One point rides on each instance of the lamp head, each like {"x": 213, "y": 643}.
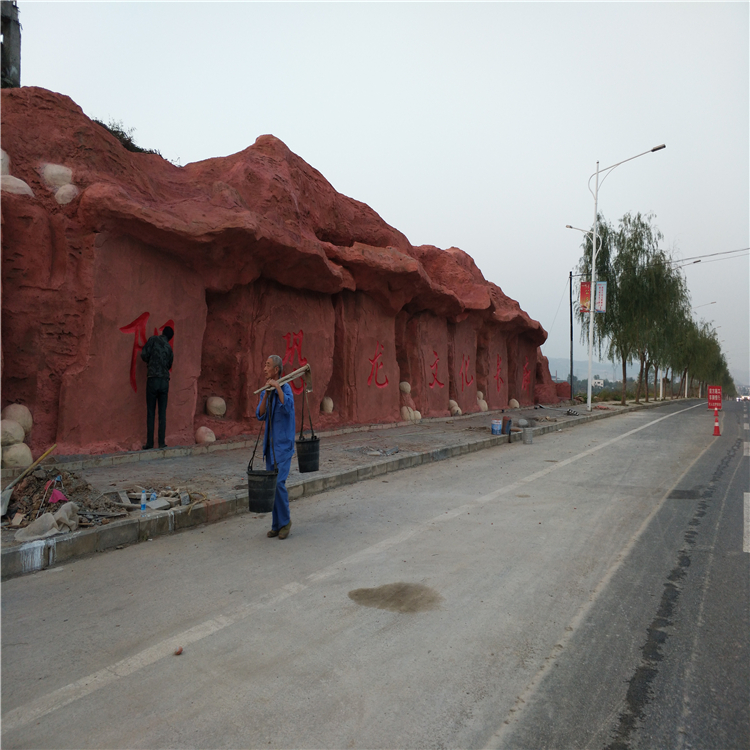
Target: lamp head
{"x": 659, "y": 148}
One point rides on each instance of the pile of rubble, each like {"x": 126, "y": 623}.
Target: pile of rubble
{"x": 46, "y": 489}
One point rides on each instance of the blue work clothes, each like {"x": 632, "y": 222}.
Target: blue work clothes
{"x": 280, "y": 516}
{"x": 281, "y": 423}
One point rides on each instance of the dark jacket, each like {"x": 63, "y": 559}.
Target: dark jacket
{"x": 158, "y": 355}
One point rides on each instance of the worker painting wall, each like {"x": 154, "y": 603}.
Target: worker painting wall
{"x": 244, "y": 256}
{"x": 137, "y": 291}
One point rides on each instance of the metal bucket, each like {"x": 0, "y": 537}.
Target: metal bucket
{"x": 528, "y": 435}
{"x": 308, "y": 454}
{"x": 261, "y": 490}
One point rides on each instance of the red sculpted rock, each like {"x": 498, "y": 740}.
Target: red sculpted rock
{"x": 244, "y": 256}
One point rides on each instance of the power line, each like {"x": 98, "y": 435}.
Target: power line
{"x": 711, "y": 255}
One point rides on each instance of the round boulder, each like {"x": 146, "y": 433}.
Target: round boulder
{"x": 65, "y": 194}
{"x": 513, "y": 404}
{"x": 417, "y": 416}
{"x": 405, "y": 414}
{"x": 326, "y": 405}
{"x": 456, "y": 411}
{"x": 204, "y": 435}
{"x": 10, "y": 432}
{"x": 523, "y": 423}
{"x": 480, "y": 396}
{"x": 11, "y": 184}
{"x": 404, "y": 387}
{"x": 216, "y": 406}
{"x": 482, "y": 405}
{"x": 19, "y": 413}
{"x": 17, "y": 456}
{"x": 56, "y": 175}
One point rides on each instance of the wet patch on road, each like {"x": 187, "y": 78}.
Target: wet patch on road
{"x": 639, "y": 686}
{"x": 398, "y": 597}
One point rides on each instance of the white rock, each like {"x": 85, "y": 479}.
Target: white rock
{"x": 65, "y": 194}
{"x": 417, "y": 416}
{"x": 216, "y": 406}
{"x": 10, "y": 432}
{"x": 452, "y": 404}
{"x": 456, "y": 411}
{"x": 480, "y": 396}
{"x": 483, "y": 405}
{"x": 327, "y": 405}
{"x": 523, "y": 422}
{"x": 405, "y": 416}
{"x": 19, "y": 413}
{"x": 13, "y": 185}
{"x": 404, "y": 387}
{"x": 204, "y": 435}
{"x": 4, "y": 162}
{"x": 56, "y": 175}
{"x": 513, "y": 404}
{"x": 17, "y": 456}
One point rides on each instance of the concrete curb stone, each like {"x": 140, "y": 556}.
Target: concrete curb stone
{"x": 34, "y": 556}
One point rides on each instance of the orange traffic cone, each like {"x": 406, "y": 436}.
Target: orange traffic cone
{"x": 717, "y": 433}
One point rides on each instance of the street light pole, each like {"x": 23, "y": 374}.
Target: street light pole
{"x": 592, "y": 297}
{"x": 571, "y": 333}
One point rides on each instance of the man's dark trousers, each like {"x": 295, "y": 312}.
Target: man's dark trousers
{"x": 157, "y": 390}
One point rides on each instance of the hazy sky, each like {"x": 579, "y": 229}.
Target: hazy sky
{"x": 467, "y": 124}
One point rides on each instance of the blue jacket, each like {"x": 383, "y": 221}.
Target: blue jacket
{"x": 282, "y": 424}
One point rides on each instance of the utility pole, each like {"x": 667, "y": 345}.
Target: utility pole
{"x": 11, "y": 48}
{"x": 571, "y": 334}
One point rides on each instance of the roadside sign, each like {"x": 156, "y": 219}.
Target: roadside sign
{"x": 585, "y": 296}
{"x": 714, "y": 397}
{"x": 600, "y": 299}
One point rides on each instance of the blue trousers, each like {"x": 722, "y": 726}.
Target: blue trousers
{"x": 280, "y": 516}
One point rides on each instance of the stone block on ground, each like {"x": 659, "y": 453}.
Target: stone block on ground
{"x": 19, "y": 413}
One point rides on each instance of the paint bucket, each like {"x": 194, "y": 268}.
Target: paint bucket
{"x": 528, "y": 434}
{"x": 497, "y": 426}
{"x": 507, "y": 422}
{"x": 308, "y": 454}
{"x": 261, "y": 490}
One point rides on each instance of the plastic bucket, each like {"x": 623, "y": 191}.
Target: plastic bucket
{"x": 507, "y": 422}
{"x": 497, "y": 426}
{"x": 308, "y": 454}
{"x": 261, "y": 490}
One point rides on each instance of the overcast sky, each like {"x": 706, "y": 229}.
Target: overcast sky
{"x": 467, "y": 124}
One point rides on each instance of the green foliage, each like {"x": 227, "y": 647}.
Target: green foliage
{"x": 125, "y": 136}
{"x": 648, "y": 316}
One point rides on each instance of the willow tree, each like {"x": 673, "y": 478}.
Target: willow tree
{"x": 643, "y": 292}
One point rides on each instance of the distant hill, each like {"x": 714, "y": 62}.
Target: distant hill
{"x": 605, "y": 370}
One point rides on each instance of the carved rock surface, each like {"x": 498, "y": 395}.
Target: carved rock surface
{"x": 245, "y": 255}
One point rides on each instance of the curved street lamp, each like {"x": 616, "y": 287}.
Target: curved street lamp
{"x": 592, "y": 306}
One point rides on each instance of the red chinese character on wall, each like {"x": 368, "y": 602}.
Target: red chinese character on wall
{"x": 498, "y": 376}
{"x": 377, "y": 366}
{"x": 464, "y": 371}
{"x": 434, "y": 368}
{"x": 140, "y": 337}
{"x": 294, "y": 346}
{"x": 526, "y": 383}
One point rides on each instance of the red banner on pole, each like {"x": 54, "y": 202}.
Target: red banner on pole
{"x": 714, "y": 397}
{"x": 585, "y": 302}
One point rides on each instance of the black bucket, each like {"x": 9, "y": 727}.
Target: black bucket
{"x": 308, "y": 454}
{"x": 261, "y": 490}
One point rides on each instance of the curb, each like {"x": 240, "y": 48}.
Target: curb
{"x": 43, "y": 553}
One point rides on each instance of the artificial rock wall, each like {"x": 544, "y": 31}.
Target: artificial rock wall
{"x": 244, "y": 256}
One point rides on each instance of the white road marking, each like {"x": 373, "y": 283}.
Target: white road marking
{"x": 746, "y": 534}
{"x": 746, "y": 426}
{"x": 747, "y": 449}
{"x": 65, "y": 695}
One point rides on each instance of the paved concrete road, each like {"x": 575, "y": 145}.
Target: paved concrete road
{"x": 589, "y": 590}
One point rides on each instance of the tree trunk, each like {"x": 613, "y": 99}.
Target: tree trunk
{"x": 648, "y": 367}
{"x": 642, "y": 357}
{"x": 624, "y": 381}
